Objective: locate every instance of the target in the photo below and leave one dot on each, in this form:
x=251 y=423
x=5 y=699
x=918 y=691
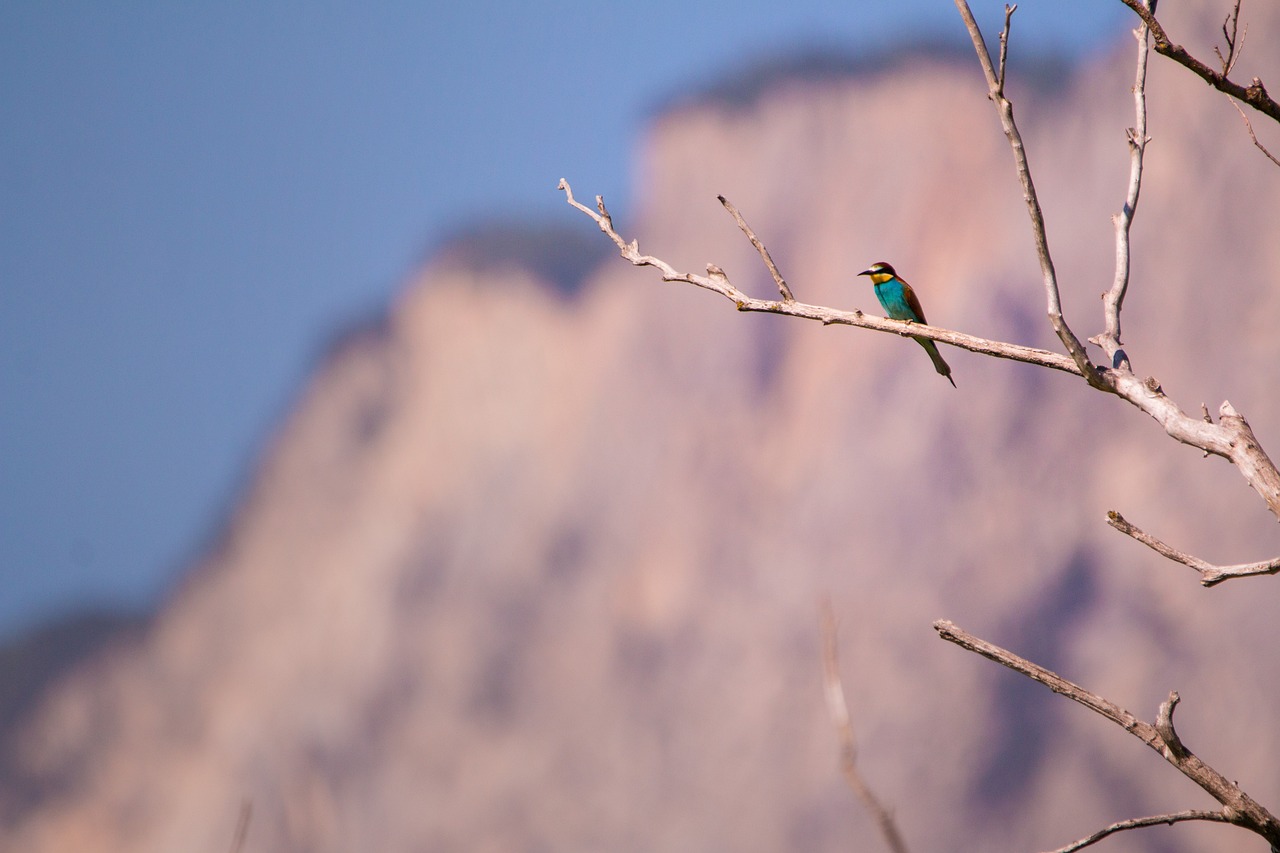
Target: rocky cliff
x=534 y=564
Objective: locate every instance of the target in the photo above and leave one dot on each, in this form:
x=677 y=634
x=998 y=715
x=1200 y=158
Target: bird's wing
x=912 y=302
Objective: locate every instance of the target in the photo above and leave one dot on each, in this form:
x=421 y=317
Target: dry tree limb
x=839 y=711
x=1238 y=809
x=1234 y=39
x=1109 y=340
x=1210 y=574
x=1140 y=822
x=717 y=281
x=1113 y=300
x=995 y=85
x=760 y=247
x=1248 y=125
x=1004 y=44
x=1230 y=438
x=1255 y=94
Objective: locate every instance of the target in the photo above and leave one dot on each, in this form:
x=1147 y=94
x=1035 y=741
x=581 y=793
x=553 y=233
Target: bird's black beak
x=867 y=271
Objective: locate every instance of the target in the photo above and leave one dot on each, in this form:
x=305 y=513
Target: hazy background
x=526 y=558
x=194 y=202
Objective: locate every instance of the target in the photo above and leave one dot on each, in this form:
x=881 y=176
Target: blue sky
x=194 y=199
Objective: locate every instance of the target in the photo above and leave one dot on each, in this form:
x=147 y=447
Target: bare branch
x=1140 y=822
x=1231 y=439
x=1248 y=125
x=1113 y=301
x=764 y=253
x=1255 y=94
x=995 y=86
x=1164 y=725
x=1246 y=454
x=1004 y=43
x=717 y=281
x=839 y=711
x=1240 y=809
x=1234 y=45
x=1210 y=575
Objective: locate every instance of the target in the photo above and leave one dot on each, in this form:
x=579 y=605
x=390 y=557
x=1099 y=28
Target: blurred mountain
x=534 y=564
x=31 y=662
x=559 y=255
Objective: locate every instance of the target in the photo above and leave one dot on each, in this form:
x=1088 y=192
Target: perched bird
x=899 y=302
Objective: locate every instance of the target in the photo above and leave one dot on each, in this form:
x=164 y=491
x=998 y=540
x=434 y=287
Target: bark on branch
x=1140 y=822
x=1238 y=807
x=995 y=86
x=1113 y=301
x=1230 y=438
x=717 y=281
x=1255 y=94
x=1210 y=575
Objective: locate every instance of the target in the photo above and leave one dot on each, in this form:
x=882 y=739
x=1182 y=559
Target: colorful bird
x=899 y=302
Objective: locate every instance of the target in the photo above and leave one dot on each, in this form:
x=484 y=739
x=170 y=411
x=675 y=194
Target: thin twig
x=764 y=253
x=833 y=687
x=1240 y=810
x=1140 y=822
x=1234 y=45
x=1255 y=94
x=242 y=826
x=1113 y=301
x=1210 y=575
x=1004 y=43
x=1248 y=125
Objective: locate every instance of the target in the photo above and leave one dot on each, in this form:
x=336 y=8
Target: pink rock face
x=522 y=572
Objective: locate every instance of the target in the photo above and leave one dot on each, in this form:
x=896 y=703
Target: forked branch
x=717 y=281
x=1230 y=438
x=995 y=85
x=1210 y=575
x=1113 y=301
x=1255 y=94
x=1234 y=40
x=1237 y=807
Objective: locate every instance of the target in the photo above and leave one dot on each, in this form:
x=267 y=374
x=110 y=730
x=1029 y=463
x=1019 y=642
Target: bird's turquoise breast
x=894 y=301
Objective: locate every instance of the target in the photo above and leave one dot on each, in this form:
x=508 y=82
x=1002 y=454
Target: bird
x=900 y=303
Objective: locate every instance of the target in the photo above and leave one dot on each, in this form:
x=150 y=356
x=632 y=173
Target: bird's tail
x=938 y=363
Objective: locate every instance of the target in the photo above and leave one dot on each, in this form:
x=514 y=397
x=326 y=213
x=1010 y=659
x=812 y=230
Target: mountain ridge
x=526 y=572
